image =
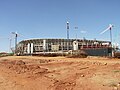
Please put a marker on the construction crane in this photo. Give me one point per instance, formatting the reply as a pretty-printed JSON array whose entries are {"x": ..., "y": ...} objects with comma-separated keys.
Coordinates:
[{"x": 109, "y": 28}]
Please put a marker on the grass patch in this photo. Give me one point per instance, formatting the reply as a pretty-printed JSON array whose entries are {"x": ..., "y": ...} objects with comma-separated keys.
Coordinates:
[{"x": 116, "y": 71}]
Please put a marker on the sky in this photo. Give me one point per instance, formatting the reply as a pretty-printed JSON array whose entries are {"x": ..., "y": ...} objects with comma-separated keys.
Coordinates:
[{"x": 33, "y": 19}]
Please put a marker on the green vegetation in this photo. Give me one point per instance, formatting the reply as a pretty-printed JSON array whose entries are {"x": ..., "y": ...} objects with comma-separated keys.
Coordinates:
[
  {"x": 116, "y": 71},
  {"x": 77, "y": 54},
  {"x": 3, "y": 54}
]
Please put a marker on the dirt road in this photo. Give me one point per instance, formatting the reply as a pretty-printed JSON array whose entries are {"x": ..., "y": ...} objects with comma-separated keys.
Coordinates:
[{"x": 59, "y": 73}]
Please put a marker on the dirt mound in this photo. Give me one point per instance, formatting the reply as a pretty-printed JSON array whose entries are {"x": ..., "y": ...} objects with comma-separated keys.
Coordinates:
[
  {"x": 20, "y": 66},
  {"x": 45, "y": 61}
]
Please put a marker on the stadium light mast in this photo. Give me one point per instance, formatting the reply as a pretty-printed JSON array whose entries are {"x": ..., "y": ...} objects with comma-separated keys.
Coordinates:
[
  {"x": 67, "y": 35},
  {"x": 67, "y": 30},
  {"x": 76, "y": 28},
  {"x": 16, "y": 35}
]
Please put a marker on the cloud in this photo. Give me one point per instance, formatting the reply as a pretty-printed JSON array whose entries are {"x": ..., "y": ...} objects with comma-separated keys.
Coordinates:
[{"x": 83, "y": 31}]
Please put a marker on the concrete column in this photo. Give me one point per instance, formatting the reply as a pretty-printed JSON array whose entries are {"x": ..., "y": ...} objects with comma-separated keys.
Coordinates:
[
  {"x": 31, "y": 48},
  {"x": 28, "y": 48}
]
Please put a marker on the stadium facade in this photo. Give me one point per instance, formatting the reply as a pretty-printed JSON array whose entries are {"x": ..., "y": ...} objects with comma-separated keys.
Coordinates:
[{"x": 37, "y": 46}]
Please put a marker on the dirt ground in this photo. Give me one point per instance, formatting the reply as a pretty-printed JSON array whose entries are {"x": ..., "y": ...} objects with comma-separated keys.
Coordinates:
[{"x": 59, "y": 73}]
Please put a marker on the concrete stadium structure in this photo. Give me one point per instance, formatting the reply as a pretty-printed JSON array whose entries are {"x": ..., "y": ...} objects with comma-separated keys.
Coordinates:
[{"x": 37, "y": 46}]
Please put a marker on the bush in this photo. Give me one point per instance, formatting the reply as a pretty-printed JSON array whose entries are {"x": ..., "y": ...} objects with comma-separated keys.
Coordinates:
[
  {"x": 77, "y": 54},
  {"x": 6, "y": 54},
  {"x": 49, "y": 54}
]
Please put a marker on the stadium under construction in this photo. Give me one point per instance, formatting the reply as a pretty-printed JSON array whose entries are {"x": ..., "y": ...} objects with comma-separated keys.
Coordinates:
[{"x": 38, "y": 46}]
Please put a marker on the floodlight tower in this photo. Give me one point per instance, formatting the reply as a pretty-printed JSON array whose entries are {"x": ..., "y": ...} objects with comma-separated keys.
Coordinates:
[
  {"x": 67, "y": 35},
  {"x": 16, "y": 35},
  {"x": 111, "y": 34},
  {"x": 76, "y": 32},
  {"x": 67, "y": 30}
]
